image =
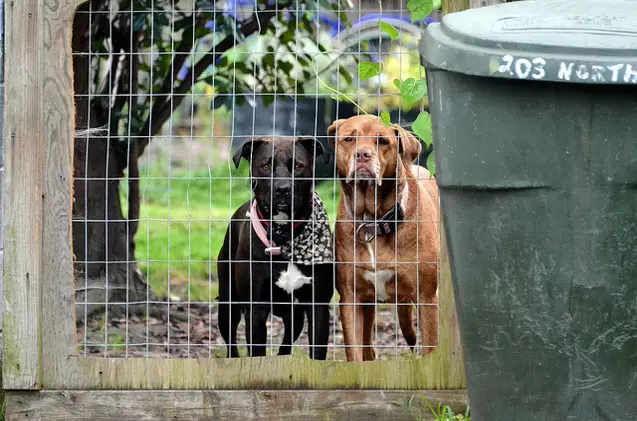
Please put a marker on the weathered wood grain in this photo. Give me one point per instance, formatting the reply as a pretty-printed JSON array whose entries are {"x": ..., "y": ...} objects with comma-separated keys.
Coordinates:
[
  {"x": 449, "y": 319},
  {"x": 474, "y": 4},
  {"x": 58, "y": 320},
  {"x": 452, "y": 6},
  {"x": 225, "y": 405},
  {"x": 23, "y": 207}
]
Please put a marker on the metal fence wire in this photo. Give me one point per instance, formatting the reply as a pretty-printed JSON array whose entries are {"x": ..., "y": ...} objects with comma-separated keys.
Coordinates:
[{"x": 167, "y": 95}]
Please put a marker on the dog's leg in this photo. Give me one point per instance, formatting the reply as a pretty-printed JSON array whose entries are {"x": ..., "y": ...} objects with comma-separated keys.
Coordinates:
[
  {"x": 351, "y": 337},
  {"x": 406, "y": 322},
  {"x": 369, "y": 318},
  {"x": 428, "y": 308},
  {"x": 290, "y": 336},
  {"x": 347, "y": 310},
  {"x": 318, "y": 330},
  {"x": 229, "y": 318},
  {"x": 229, "y": 314},
  {"x": 256, "y": 317}
]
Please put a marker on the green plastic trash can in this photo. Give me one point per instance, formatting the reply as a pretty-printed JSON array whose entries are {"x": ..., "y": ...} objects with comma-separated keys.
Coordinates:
[{"x": 534, "y": 117}]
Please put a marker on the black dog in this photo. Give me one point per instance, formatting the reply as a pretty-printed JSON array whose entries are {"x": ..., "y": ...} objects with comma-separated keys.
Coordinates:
[{"x": 277, "y": 253}]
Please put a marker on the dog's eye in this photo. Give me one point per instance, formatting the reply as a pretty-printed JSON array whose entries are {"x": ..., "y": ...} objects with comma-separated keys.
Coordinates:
[
  {"x": 348, "y": 139},
  {"x": 265, "y": 167},
  {"x": 298, "y": 167},
  {"x": 383, "y": 141}
]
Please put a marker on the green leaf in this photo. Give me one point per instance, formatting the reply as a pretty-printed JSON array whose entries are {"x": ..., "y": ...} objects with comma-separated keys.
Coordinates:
[
  {"x": 286, "y": 67},
  {"x": 268, "y": 99},
  {"x": 302, "y": 61},
  {"x": 422, "y": 127},
  {"x": 419, "y": 9},
  {"x": 397, "y": 83},
  {"x": 267, "y": 61},
  {"x": 388, "y": 29},
  {"x": 368, "y": 70},
  {"x": 431, "y": 163},
  {"x": 385, "y": 118},
  {"x": 412, "y": 90}
]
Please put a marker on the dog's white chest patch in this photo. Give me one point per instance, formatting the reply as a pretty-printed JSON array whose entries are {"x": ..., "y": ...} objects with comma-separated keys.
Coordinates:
[
  {"x": 292, "y": 279},
  {"x": 379, "y": 279},
  {"x": 280, "y": 218}
]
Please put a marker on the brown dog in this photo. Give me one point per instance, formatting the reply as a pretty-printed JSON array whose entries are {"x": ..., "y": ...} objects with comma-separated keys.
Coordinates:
[{"x": 386, "y": 232}]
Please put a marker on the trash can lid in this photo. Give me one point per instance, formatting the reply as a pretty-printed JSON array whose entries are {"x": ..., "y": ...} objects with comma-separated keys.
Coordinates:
[{"x": 576, "y": 41}]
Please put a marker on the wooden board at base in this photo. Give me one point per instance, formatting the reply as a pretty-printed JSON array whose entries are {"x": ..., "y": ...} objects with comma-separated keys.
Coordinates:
[{"x": 292, "y": 405}]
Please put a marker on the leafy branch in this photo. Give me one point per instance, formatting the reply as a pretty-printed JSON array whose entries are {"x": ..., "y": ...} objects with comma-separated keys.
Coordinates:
[{"x": 412, "y": 90}]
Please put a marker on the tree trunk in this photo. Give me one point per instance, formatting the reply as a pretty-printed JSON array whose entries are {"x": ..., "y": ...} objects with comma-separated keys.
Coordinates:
[{"x": 105, "y": 268}]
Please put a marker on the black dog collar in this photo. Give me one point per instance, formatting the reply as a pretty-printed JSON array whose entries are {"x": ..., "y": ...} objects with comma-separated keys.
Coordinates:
[{"x": 387, "y": 224}]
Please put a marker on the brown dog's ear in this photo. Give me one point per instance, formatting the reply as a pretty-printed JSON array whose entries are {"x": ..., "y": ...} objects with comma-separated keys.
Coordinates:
[
  {"x": 409, "y": 147},
  {"x": 331, "y": 131},
  {"x": 247, "y": 150},
  {"x": 310, "y": 143}
]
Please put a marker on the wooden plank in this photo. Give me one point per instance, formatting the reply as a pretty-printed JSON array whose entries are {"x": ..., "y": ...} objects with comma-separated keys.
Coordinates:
[
  {"x": 222, "y": 405},
  {"x": 57, "y": 286},
  {"x": 449, "y": 318},
  {"x": 474, "y": 4},
  {"x": 24, "y": 154},
  {"x": 452, "y": 6}
]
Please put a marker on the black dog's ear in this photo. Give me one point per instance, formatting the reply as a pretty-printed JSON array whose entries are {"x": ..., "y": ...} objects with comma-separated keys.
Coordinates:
[
  {"x": 309, "y": 143},
  {"x": 247, "y": 150}
]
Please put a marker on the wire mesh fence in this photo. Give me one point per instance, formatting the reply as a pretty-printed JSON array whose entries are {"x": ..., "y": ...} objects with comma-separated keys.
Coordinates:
[{"x": 228, "y": 179}]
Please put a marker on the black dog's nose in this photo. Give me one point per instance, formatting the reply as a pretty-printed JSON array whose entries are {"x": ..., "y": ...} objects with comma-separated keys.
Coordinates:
[
  {"x": 363, "y": 155},
  {"x": 282, "y": 191}
]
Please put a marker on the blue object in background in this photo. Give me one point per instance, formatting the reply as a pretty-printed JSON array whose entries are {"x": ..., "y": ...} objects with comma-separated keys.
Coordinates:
[{"x": 240, "y": 10}]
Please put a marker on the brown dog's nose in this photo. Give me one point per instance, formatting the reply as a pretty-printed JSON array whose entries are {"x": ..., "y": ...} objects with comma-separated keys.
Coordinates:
[{"x": 363, "y": 155}]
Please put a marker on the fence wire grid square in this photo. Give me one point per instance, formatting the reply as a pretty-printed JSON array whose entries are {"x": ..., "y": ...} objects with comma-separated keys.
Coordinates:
[{"x": 166, "y": 92}]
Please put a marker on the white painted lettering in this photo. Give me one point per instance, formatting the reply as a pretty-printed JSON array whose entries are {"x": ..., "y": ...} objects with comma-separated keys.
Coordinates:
[
  {"x": 522, "y": 68},
  {"x": 598, "y": 73},
  {"x": 630, "y": 75},
  {"x": 565, "y": 71},
  {"x": 506, "y": 67},
  {"x": 582, "y": 72},
  {"x": 538, "y": 68},
  {"x": 535, "y": 68},
  {"x": 615, "y": 69}
]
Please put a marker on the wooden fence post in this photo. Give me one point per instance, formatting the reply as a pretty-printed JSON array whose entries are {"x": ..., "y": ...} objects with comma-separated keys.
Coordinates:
[{"x": 23, "y": 194}]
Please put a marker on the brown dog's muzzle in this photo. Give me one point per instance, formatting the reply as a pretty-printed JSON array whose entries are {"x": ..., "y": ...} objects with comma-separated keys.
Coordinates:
[{"x": 363, "y": 165}]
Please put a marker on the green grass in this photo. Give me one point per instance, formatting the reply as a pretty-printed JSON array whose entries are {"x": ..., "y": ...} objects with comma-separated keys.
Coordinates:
[
  {"x": 442, "y": 413},
  {"x": 184, "y": 216}
]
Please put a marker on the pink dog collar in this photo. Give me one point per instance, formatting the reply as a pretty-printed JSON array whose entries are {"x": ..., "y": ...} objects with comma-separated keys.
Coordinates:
[{"x": 270, "y": 247}]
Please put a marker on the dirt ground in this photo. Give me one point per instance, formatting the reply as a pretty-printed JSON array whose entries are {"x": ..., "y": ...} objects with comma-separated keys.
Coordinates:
[{"x": 193, "y": 333}]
